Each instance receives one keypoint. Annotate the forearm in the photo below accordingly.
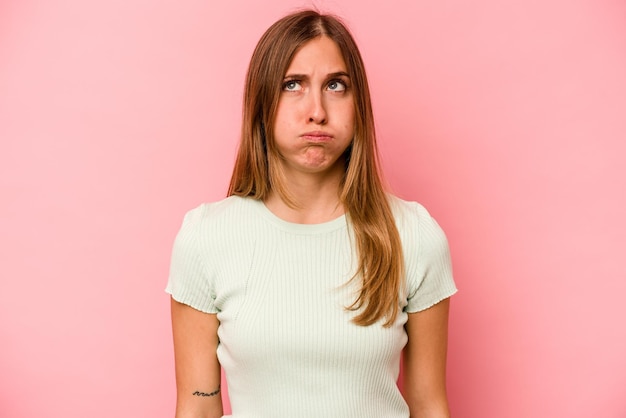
(426, 402)
(199, 404)
(434, 408)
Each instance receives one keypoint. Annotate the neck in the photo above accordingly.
(316, 198)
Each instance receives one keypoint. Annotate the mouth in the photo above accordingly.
(317, 136)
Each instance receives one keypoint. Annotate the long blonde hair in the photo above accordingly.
(256, 171)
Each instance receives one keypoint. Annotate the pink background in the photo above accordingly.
(506, 119)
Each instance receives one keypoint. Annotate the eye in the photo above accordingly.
(292, 85)
(337, 85)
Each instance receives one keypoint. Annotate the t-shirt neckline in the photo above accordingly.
(334, 224)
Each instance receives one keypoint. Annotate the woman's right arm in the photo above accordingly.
(198, 374)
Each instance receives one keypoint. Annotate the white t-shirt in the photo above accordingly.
(279, 289)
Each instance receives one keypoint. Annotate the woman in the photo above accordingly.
(308, 282)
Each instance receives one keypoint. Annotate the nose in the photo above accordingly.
(317, 110)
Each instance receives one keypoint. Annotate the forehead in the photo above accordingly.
(319, 54)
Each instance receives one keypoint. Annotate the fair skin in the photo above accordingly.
(314, 126)
(197, 367)
(425, 362)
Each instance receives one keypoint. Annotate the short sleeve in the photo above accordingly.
(429, 267)
(189, 279)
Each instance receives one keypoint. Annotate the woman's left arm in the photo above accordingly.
(424, 365)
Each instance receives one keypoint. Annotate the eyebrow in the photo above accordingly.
(328, 76)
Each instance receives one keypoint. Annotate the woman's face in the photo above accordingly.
(314, 122)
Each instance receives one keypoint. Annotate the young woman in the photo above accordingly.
(308, 282)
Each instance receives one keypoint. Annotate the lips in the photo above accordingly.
(317, 136)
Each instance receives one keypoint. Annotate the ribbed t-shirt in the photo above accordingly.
(280, 292)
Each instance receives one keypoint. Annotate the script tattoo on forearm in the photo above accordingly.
(215, 392)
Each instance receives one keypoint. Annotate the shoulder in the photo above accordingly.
(418, 229)
(426, 255)
(216, 212)
(409, 214)
(199, 249)
(214, 220)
